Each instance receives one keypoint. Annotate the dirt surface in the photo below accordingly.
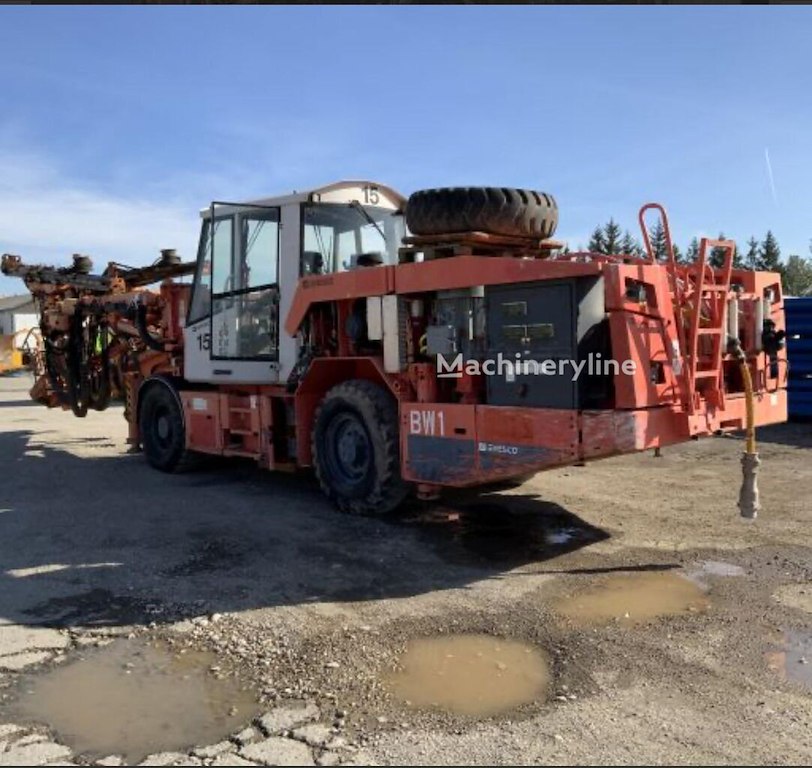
(310, 606)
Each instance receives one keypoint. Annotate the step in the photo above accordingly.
(709, 331)
(706, 374)
(241, 453)
(243, 432)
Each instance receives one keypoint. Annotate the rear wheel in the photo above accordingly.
(355, 449)
(163, 433)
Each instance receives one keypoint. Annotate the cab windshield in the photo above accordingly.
(342, 236)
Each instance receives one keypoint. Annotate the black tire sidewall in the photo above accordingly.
(158, 400)
(382, 488)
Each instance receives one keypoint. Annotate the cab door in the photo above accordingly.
(232, 333)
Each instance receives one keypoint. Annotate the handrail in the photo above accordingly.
(677, 295)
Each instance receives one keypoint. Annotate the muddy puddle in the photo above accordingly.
(632, 599)
(792, 658)
(133, 698)
(474, 675)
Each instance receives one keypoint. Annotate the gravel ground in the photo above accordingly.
(314, 608)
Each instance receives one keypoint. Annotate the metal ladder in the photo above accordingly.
(699, 295)
(706, 299)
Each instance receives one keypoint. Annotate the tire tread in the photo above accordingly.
(496, 210)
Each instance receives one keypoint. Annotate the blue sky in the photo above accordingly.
(118, 124)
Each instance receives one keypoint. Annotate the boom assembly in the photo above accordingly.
(319, 332)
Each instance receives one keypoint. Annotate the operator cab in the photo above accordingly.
(250, 258)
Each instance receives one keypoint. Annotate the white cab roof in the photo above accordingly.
(366, 192)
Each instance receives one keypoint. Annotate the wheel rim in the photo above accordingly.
(163, 428)
(349, 449)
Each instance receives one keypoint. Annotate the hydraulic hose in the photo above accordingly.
(750, 418)
(143, 331)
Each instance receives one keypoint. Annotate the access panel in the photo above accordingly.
(537, 322)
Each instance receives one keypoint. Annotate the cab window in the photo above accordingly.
(340, 236)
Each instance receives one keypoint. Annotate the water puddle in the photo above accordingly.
(793, 659)
(633, 598)
(134, 698)
(720, 568)
(511, 532)
(475, 675)
(705, 572)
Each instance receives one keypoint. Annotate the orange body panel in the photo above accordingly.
(468, 444)
(358, 283)
(201, 412)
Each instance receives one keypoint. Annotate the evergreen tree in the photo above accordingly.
(629, 245)
(769, 254)
(692, 253)
(597, 244)
(677, 254)
(750, 260)
(717, 254)
(797, 276)
(658, 242)
(611, 237)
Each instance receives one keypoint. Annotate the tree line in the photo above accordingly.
(765, 254)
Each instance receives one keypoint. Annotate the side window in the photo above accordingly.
(222, 243)
(317, 249)
(260, 244)
(245, 311)
(372, 240)
(201, 292)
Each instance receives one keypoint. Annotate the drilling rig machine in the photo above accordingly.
(319, 331)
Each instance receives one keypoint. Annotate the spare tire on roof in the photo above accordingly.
(496, 210)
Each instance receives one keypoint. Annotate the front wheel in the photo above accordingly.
(163, 433)
(355, 449)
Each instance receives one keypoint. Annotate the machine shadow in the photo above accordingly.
(795, 434)
(109, 541)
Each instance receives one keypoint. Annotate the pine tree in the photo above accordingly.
(629, 245)
(769, 254)
(750, 260)
(692, 253)
(597, 244)
(611, 237)
(718, 254)
(658, 242)
(797, 277)
(677, 253)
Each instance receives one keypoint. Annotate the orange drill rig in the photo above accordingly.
(319, 332)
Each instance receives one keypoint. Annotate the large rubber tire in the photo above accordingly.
(496, 210)
(355, 449)
(163, 432)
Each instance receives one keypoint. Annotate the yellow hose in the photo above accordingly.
(749, 406)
